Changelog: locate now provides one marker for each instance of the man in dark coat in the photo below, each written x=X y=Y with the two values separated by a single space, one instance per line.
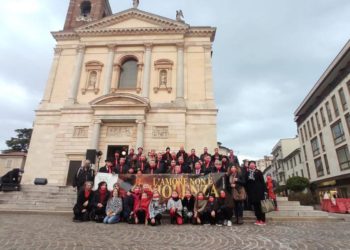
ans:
x=122 y=167
x=185 y=169
x=85 y=173
x=182 y=153
x=256 y=189
x=167 y=157
x=192 y=159
x=216 y=155
x=142 y=165
x=205 y=153
x=108 y=168
x=84 y=203
x=232 y=159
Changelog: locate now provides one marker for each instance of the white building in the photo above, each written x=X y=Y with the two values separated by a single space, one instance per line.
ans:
x=287 y=160
x=323 y=121
x=262 y=164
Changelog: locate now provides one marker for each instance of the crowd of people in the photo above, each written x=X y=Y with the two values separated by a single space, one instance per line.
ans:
x=142 y=205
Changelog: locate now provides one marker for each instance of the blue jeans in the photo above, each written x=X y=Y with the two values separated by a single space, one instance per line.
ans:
x=111 y=219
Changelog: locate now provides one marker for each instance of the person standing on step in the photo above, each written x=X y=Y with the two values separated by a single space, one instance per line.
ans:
x=85 y=173
x=271 y=186
x=256 y=189
x=239 y=195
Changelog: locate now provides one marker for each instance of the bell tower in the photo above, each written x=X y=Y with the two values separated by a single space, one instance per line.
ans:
x=81 y=12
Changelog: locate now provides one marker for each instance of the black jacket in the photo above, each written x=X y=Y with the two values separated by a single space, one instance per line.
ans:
x=255 y=186
x=189 y=203
x=128 y=203
x=82 y=176
x=96 y=199
x=81 y=200
x=105 y=170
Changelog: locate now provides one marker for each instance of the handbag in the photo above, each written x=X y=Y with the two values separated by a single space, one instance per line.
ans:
x=239 y=194
x=267 y=206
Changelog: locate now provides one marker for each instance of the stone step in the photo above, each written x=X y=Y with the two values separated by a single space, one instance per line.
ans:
x=278 y=198
x=295 y=208
x=288 y=203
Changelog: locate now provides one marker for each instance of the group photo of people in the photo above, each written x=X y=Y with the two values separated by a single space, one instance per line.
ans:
x=244 y=189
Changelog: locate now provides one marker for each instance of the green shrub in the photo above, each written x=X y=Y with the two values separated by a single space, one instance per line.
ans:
x=297 y=183
x=305 y=198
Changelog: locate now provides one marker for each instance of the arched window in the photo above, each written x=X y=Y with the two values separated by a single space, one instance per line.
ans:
x=85 y=8
x=128 y=74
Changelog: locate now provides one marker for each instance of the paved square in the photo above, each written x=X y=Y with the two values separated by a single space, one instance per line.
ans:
x=59 y=232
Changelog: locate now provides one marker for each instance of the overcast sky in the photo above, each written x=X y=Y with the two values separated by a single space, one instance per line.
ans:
x=267 y=56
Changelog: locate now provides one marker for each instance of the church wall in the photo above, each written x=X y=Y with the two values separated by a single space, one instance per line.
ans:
x=63 y=76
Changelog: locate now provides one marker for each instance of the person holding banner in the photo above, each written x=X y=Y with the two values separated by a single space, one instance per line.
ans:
x=198 y=170
x=207 y=165
x=171 y=169
x=142 y=165
x=122 y=167
x=199 y=206
x=114 y=208
x=185 y=169
x=188 y=206
x=175 y=209
x=108 y=168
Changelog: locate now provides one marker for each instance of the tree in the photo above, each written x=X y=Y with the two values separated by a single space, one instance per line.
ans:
x=21 y=142
x=297 y=183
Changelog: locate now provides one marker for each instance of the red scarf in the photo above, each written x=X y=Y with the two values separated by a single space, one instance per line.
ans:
x=87 y=193
x=121 y=169
x=103 y=194
x=142 y=166
x=158 y=164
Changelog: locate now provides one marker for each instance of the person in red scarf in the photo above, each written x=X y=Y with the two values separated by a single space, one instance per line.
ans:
x=108 y=168
x=142 y=200
x=192 y=159
x=101 y=197
x=83 y=206
x=143 y=165
x=198 y=170
x=271 y=185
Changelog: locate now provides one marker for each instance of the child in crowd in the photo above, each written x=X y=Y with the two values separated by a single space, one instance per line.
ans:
x=199 y=206
x=101 y=197
x=175 y=208
x=83 y=206
x=155 y=209
x=225 y=209
x=210 y=211
x=188 y=206
x=114 y=208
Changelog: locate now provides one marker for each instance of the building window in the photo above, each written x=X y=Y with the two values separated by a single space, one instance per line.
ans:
x=85 y=8
x=308 y=129
x=308 y=171
x=329 y=112
x=348 y=86
x=343 y=157
x=302 y=173
x=322 y=142
x=338 y=132
x=342 y=99
x=313 y=125
x=305 y=155
x=296 y=173
x=299 y=158
x=347 y=118
x=323 y=117
x=326 y=164
x=335 y=106
x=319 y=167
x=306 y=138
x=301 y=134
x=128 y=74
x=315 y=147
x=295 y=162
x=317 y=121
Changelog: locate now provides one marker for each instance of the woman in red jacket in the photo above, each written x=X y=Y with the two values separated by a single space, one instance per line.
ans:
x=270 y=185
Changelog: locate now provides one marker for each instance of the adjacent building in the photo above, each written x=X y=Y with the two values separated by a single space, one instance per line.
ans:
x=9 y=161
x=287 y=160
x=262 y=164
x=323 y=120
x=120 y=81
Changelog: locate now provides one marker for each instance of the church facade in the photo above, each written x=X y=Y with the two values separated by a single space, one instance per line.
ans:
x=131 y=79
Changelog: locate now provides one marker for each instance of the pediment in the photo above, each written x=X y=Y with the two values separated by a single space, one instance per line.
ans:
x=123 y=100
x=132 y=19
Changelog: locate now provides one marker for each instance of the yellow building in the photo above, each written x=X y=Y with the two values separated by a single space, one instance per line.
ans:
x=132 y=79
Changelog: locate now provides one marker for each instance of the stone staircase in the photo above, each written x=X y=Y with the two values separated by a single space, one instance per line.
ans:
x=53 y=199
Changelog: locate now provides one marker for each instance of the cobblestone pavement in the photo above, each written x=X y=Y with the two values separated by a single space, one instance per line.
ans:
x=59 y=232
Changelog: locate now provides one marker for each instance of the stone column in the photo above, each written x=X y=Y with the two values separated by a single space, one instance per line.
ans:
x=209 y=94
x=109 y=70
x=52 y=76
x=95 y=139
x=147 y=73
x=117 y=68
x=140 y=133
x=180 y=86
x=139 y=75
x=73 y=91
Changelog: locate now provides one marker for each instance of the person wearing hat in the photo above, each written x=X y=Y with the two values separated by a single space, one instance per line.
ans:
x=108 y=168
